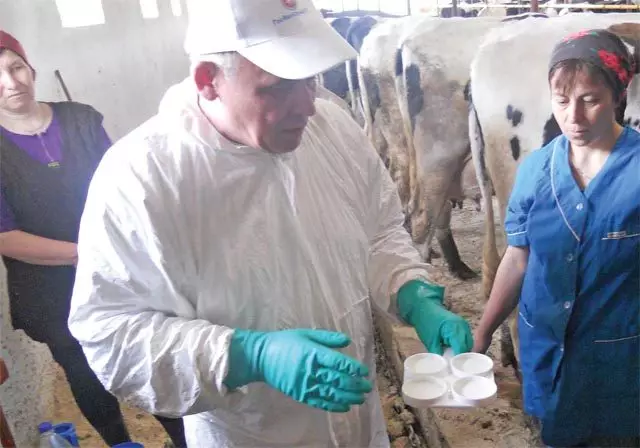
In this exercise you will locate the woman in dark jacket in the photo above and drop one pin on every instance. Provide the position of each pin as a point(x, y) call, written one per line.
point(48, 153)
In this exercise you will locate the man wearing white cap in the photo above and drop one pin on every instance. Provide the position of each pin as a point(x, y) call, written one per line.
point(233, 245)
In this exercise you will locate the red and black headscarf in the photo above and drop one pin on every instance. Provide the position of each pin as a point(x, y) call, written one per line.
point(602, 48)
point(7, 41)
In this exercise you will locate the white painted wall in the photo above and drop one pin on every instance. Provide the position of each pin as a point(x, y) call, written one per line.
point(122, 68)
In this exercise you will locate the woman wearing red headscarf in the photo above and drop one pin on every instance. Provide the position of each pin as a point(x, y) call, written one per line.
point(573, 234)
point(49, 151)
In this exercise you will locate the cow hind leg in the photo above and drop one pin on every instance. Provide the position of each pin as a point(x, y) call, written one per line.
point(507, 347)
point(509, 353)
point(433, 254)
point(421, 229)
point(451, 255)
point(427, 253)
point(444, 236)
point(490, 256)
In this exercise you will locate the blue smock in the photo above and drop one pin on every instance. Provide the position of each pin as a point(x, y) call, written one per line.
point(579, 307)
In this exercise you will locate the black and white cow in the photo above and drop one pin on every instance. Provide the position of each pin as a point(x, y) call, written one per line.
point(510, 113)
point(342, 80)
point(417, 118)
point(335, 79)
point(376, 75)
point(432, 71)
point(358, 31)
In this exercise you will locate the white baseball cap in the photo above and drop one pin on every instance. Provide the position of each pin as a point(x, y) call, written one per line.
point(287, 38)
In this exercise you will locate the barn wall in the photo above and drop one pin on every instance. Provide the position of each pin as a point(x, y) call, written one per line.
point(27, 396)
point(122, 68)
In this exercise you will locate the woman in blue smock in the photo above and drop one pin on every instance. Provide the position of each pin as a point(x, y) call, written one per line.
point(573, 256)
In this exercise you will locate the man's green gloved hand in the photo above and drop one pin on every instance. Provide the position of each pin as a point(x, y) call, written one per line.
point(301, 364)
point(420, 304)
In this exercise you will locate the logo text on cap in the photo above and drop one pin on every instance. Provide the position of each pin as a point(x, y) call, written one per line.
point(289, 4)
point(289, 16)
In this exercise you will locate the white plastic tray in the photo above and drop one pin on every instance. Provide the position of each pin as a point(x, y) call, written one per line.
point(449, 399)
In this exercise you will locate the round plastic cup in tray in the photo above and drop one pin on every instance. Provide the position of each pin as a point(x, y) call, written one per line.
point(461, 381)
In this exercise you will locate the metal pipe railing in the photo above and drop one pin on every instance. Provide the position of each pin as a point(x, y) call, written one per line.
point(540, 6)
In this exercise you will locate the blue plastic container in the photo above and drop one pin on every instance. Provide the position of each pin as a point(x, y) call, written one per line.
point(68, 431)
point(49, 438)
point(128, 445)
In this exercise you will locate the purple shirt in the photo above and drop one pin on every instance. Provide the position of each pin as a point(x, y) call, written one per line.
point(46, 148)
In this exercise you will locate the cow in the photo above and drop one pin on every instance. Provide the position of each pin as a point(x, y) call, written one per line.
point(357, 32)
point(464, 9)
point(342, 79)
point(432, 94)
point(510, 115)
point(376, 77)
point(335, 78)
point(398, 91)
point(432, 72)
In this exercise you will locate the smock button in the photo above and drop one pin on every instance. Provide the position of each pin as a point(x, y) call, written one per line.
point(562, 348)
point(580, 206)
point(567, 305)
point(570, 258)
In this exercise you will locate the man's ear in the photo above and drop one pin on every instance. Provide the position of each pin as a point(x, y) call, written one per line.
point(206, 79)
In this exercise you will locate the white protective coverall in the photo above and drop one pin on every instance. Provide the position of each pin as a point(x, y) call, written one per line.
point(186, 236)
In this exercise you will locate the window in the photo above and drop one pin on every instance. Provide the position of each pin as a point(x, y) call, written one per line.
point(149, 9)
point(176, 7)
point(75, 13)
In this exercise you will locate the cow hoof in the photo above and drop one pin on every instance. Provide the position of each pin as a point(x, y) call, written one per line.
point(433, 254)
point(463, 272)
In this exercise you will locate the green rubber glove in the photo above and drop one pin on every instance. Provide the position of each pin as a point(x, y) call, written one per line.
point(420, 304)
point(301, 364)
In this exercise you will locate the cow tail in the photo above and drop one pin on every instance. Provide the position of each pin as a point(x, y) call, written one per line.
point(366, 105)
point(490, 257)
point(401, 88)
point(352, 90)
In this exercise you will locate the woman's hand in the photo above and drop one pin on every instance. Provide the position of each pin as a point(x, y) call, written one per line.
point(504, 296)
point(481, 341)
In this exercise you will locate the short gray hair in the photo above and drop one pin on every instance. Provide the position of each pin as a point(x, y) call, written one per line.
point(226, 60)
